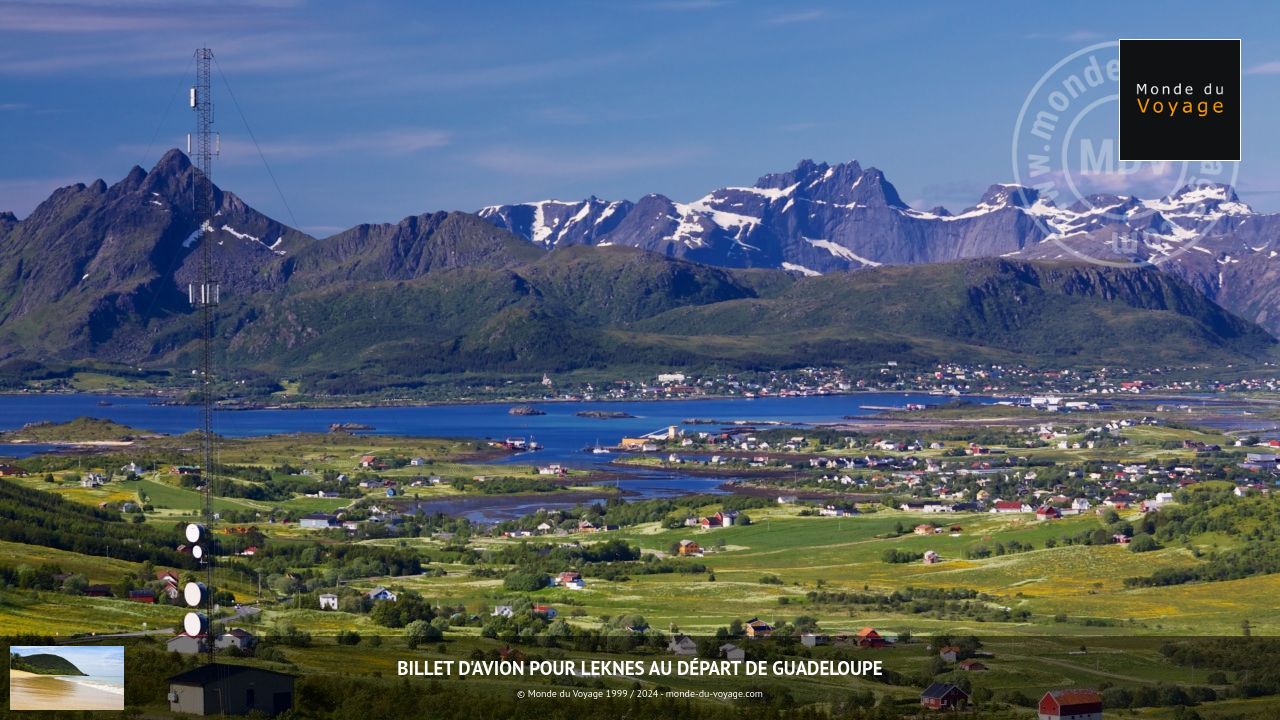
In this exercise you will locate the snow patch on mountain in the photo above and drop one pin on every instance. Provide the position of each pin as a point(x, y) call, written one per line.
point(841, 251)
point(800, 269)
point(253, 238)
point(195, 234)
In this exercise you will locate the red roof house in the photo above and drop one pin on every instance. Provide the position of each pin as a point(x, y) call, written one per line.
point(868, 637)
point(1071, 704)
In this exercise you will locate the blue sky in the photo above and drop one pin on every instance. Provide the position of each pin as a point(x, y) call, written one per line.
point(107, 660)
point(369, 112)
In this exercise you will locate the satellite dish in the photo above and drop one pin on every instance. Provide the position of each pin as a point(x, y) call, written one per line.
point(194, 624)
point(197, 552)
point(194, 594)
point(193, 532)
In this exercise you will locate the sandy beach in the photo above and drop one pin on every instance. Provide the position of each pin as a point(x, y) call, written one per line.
point(29, 691)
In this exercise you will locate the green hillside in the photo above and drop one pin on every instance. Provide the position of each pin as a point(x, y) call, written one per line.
point(595, 308)
point(43, 664)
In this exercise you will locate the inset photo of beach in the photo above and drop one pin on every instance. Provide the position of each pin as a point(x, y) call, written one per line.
point(52, 677)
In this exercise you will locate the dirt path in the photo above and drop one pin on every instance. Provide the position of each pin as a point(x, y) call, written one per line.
point(1081, 668)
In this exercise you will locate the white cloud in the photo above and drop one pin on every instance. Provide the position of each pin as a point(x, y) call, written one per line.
point(1266, 68)
point(800, 16)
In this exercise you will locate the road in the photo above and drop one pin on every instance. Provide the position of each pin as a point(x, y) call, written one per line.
point(239, 613)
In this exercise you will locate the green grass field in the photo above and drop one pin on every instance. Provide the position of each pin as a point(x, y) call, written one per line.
point(1085, 583)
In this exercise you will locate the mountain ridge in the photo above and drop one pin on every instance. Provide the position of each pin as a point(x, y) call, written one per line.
point(100, 271)
point(819, 218)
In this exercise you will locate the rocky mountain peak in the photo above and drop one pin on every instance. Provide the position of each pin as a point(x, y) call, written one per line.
point(1007, 195)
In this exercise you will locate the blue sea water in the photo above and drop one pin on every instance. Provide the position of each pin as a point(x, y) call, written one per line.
point(565, 437)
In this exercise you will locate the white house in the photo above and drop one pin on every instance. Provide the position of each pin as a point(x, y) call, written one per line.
point(682, 645)
point(813, 639)
point(732, 652)
point(235, 638)
point(570, 580)
point(381, 593)
point(328, 601)
point(185, 644)
point(317, 521)
point(505, 611)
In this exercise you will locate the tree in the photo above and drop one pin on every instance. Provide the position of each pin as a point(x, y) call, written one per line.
point(524, 581)
point(805, 624)
point(421, 631)
point(1143, 543)
point(936, 666)
point(75, 584)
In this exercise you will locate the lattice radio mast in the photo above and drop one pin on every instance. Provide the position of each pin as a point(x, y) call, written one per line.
point(202, 147)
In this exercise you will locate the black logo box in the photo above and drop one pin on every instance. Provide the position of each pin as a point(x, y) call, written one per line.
point(1184, 64)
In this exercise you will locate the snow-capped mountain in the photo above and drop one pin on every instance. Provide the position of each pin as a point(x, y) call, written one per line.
point(820, 218)
point(815, 218)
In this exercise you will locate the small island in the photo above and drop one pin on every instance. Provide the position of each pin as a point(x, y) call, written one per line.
point(604, 414)
point(82, 430)
point(525, 410)
point(348, 427)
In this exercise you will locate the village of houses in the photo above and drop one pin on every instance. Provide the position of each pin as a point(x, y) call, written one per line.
point(949, 378)
point(839, 475)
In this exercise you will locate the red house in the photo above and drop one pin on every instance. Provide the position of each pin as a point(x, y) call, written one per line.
point(1048, 512)
point(142, 596)
point(1071, 704)
point(943, 696)
point(868, 637)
